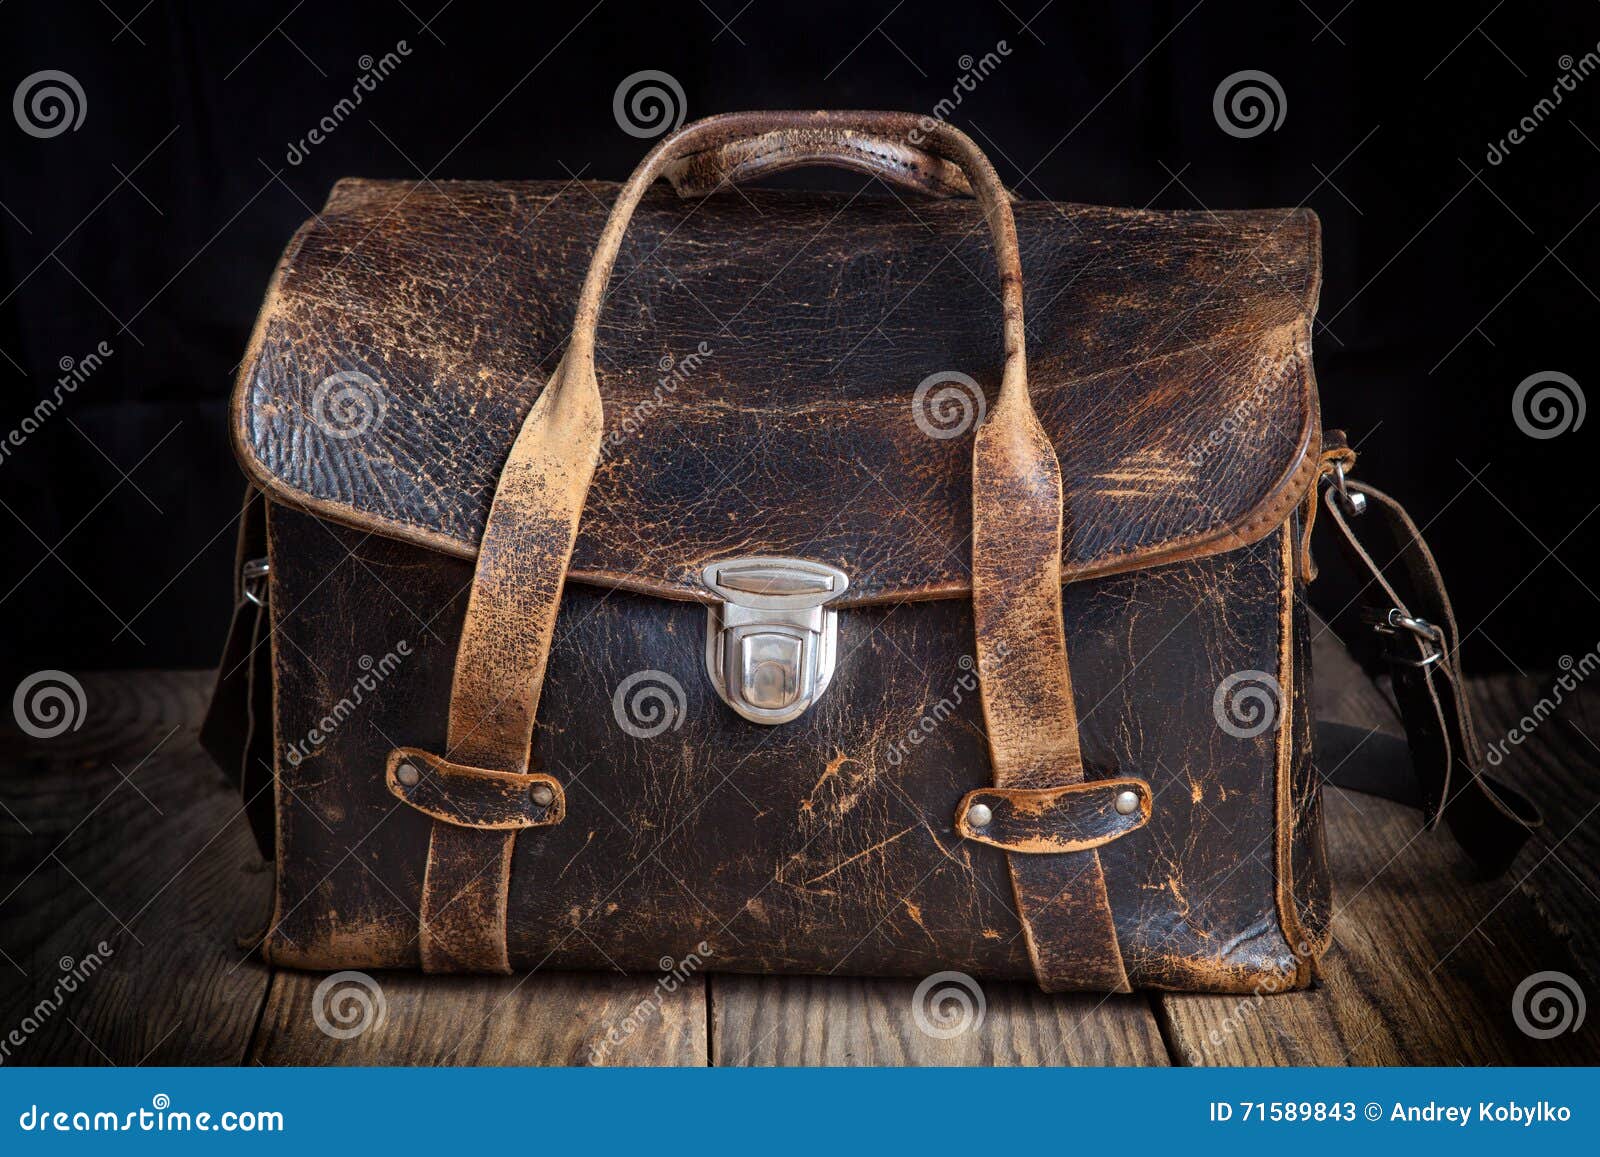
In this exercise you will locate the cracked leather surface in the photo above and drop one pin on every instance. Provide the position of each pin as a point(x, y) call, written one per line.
point(1146, 332)
point(826, 844)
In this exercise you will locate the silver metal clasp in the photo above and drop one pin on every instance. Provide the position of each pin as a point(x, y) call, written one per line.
point(771, 641)
point(253, 580)
point(1353, 501)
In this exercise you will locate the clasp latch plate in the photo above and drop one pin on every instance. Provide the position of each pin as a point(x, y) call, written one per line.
point(771, 640)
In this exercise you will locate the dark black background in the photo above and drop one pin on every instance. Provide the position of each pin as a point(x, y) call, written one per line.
point(155, 226)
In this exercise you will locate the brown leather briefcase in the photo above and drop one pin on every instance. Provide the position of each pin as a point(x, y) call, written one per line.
point(875, 584)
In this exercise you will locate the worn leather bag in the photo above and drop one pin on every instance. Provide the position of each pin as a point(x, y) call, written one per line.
point(877, 584)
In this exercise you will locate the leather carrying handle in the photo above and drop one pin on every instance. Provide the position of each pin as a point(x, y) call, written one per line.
point(527, 543)
point(896, 160)
point(787, 140)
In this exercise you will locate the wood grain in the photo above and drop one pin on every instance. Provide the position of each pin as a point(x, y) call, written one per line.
point(1556, 766)
point(161, 867)
point(158, 866)
point(534, 1019)
point(1425, 962)
point(800, 1020)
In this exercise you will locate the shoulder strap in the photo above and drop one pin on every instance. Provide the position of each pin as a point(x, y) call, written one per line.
point(1404, 600)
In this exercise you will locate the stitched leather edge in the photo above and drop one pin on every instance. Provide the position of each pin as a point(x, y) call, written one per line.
point(1305, 949)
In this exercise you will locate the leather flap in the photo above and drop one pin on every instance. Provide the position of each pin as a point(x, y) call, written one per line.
point(782, 374)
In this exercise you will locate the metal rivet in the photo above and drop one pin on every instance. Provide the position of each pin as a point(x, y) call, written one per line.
point(979, 815)
point(408, 775)
point(541, 795)
point(1127, 802)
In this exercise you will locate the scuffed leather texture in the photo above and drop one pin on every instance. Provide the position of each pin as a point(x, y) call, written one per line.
point(1168, 361)
point(1054, 819)
point(824, 845)
point(473, 797)
point(894, 159)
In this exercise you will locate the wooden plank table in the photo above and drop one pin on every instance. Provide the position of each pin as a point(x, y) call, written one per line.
point(122, 848)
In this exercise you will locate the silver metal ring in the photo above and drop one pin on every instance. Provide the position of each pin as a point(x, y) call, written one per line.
point(253, 580)
point(1353, 501)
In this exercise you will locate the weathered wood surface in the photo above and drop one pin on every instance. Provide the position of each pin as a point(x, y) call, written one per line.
point(792, 1020)
point(123, 832)
point(532, 1019)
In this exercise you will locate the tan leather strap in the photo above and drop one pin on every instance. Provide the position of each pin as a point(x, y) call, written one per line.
point(1042, 821)
point(522, 562)
point(1405, 600)
point(897, 160)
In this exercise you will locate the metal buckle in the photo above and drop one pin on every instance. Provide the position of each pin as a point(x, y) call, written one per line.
point(253, 580)
point(771, 641)
point(1352, 501)
point(1393, 621)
